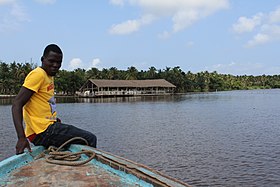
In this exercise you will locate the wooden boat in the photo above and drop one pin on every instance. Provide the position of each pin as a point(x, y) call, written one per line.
point(105, 169)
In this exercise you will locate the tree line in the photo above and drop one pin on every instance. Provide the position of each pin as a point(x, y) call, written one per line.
point(12, 76)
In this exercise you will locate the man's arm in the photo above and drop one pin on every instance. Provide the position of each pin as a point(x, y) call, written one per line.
point(21, 99)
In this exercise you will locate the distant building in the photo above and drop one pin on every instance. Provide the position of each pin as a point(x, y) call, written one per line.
point(100, 87)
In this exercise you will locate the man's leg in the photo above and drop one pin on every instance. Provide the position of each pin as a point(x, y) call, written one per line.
point(58, 133)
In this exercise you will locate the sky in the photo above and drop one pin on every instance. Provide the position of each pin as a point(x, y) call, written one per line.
point(238, 37)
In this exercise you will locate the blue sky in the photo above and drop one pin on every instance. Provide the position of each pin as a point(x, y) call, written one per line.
point(235, 37)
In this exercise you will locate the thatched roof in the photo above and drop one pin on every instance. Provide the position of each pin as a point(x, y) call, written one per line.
point(132, 83)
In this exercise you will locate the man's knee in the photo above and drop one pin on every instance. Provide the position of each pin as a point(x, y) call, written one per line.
point(92, 141)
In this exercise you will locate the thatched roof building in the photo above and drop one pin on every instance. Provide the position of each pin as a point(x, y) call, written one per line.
point(101, 87)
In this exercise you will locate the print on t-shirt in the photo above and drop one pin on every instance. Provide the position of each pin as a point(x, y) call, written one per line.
point(52, 105)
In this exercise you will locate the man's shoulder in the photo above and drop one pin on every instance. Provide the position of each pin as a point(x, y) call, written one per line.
point(37, 72)
point(35, 79)
point(38, 69)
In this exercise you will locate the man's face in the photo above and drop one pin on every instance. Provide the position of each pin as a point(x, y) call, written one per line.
point(51, 63)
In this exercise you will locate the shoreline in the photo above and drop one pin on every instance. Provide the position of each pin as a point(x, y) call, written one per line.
point(7, 96)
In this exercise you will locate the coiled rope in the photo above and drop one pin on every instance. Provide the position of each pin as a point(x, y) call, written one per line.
point(56, 156)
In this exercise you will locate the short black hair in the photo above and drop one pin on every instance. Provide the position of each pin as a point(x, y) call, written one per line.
point(52, 47)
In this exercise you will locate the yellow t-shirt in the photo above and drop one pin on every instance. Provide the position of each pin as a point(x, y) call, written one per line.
point(40, 111)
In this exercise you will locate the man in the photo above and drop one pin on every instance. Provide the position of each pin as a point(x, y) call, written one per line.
point(35, 104)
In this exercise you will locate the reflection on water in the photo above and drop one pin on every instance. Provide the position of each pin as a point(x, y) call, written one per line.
point(70, 99)
point(167, 98)
point(6, 101)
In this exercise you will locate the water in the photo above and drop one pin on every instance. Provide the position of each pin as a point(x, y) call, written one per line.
point(211, 139)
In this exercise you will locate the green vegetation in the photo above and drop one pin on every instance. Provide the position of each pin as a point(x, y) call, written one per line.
point(12, 76)
point(68, 82)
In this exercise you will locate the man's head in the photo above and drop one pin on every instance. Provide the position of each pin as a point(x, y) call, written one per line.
point(52, 59)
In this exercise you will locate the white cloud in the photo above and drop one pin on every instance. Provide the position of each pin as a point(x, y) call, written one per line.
point(267, 33)
point(247, 24)
point(264, 26)
point(274, 16)
point(96, 62)
point(131, 25)
point(273, 30)
point(117, 2)
point(184, 19)
point(12, 16)
point(125, 27)
point(258, 39)
point(182, 12)
point(164, 35)
point(46, 1)
point(78, 63)
point(75, 63)
point(19, 13)
point(5, 2)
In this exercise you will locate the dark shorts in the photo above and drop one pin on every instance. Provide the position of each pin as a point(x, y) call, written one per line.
point(58, 133)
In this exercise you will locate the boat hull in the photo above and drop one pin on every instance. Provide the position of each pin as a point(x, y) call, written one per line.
point(29, 169)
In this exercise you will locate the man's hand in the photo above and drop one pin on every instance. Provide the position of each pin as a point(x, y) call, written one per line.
point(22, 143)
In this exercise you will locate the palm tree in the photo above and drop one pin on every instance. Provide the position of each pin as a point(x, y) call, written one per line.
point(93, 73)
point(4, 78)
point(151, 73)
point(113, 73)
point(131, 73)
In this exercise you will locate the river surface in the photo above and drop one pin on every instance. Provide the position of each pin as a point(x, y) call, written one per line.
point(209, 139)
